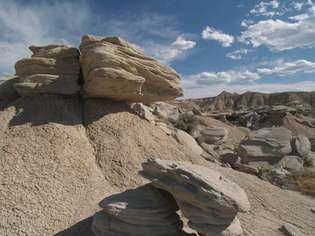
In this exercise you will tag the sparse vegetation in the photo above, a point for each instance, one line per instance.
(186, 121)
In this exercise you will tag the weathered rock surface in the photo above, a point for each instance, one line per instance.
(166, 111)
(49, 180)
(53, 69)
(207, 199)
(301, 145)
(185, 139)
(141, 211)
(143, 111)
(292, 163)
(113, 68)
(266, 144)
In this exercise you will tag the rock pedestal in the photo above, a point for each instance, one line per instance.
(207, 199)
(138, 212)
(53, 69)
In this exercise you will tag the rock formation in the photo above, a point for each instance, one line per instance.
(269, 144)
(138, 212)
(53, 69)
(113, 68)
(207, 199)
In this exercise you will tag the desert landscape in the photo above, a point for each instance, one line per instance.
(93, 142)
(157, 118)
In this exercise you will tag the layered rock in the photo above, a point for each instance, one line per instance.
(269, 144)
(213, 135)
(207, 199)
(138, 212)
(53, 69)
(113, 68)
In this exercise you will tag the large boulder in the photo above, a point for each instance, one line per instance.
(53, 69)
(166, 111)
(267, 144)
(207, 199)
(301, 145)
(113, 68)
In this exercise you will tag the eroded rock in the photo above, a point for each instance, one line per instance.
(113, 68)
(142, 211)
(207, 199)
(269, 144)
(53, 69)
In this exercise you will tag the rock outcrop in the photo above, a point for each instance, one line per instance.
(213, 135)
(267, 144)
(113, 68)
(207, 199)
(53, 69)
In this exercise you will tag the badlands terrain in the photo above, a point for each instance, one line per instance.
(93, 142)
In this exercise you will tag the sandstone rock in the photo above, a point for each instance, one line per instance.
(7, 90)
(266, 144)
(166, 111)
(207, 199)
(143, 111)
(185, 139)
(301, 145)
(292, 163)
(213, 135)
(115, 69)
(141, 211)
(210, 150)
(53, 69)
(290, 230)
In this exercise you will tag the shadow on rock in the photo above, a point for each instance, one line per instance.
(82, 228)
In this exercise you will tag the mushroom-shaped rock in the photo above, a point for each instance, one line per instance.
(206, 198)
(53, 69)
(141, 211)
(116, 69)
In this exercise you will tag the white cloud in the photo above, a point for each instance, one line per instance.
(280, 35)
(168, 53)
(299, 5)
(245, 23)
(22, 25)
(213, 90)
(237, 54)
(210, 33)
(266, 8)
(183, 44)
(208, 78)
(289, 68)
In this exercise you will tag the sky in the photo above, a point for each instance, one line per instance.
(236, 46)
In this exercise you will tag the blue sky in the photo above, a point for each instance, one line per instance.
(266, 46)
